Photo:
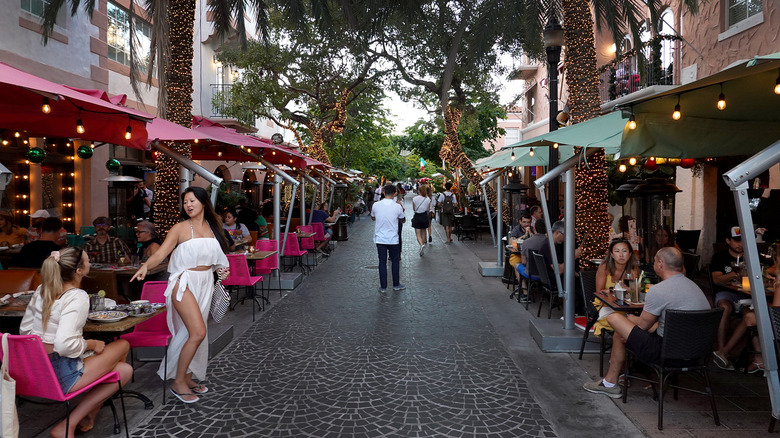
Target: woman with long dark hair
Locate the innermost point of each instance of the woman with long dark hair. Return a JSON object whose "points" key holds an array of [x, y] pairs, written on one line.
{"points": [[57, 313], [197, 246], [620, 261]]}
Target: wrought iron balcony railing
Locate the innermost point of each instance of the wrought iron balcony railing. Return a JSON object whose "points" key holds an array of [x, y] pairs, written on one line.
{"points": [[652, 64]]}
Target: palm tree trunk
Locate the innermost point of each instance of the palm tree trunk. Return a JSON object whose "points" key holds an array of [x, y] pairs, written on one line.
{"points": [[178, 109], [584, 103]]}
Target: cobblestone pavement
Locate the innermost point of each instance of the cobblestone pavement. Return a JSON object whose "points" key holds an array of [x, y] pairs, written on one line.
{"points": [[336, 358]]}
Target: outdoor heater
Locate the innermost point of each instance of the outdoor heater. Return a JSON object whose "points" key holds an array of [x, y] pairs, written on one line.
{"points": [[656, 209], [517, 199], [339, 201]]}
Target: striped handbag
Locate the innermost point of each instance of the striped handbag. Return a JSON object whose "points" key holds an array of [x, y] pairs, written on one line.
{"points": [[220, 300]]}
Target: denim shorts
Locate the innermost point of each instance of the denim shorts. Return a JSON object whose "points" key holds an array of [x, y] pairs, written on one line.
{"points": [[68, 370]]}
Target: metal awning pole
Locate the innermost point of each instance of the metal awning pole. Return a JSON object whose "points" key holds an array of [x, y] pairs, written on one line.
{"points": [[568, 254], [277, 214], [738, 178], [483, 183], [550, 240], [499, 225], [314, 194], [302, 205]]}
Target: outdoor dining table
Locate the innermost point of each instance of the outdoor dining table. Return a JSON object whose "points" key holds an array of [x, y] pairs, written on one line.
{"points": [[259, 255], [115, 279], [740, 289], [612, 302]]}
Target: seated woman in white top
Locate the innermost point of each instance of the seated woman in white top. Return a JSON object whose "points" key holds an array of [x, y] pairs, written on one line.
{"points": [[57, 313], [237, 231]]}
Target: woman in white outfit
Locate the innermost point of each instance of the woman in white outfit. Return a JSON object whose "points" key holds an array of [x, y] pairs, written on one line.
{"points": [[421, 220], [200, 247]]}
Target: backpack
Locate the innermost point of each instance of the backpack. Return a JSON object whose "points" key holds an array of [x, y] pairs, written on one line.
{"points": [[447, 207]]}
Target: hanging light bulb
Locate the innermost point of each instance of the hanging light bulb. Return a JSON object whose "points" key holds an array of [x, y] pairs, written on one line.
{"points": [[80, 127], [512, 157], [632, 161], [531, 153], [721, 99], [46, 108], [17, 134], [622, 168], [632, 122], [510, 174], [676, 114], [128, 133], [555, 145], [777, 83]]}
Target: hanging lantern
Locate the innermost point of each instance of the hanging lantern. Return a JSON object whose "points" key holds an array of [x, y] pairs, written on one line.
{"points": [[84, 152], [113, 165], [687, 163], [650, 164], [36, 155]]}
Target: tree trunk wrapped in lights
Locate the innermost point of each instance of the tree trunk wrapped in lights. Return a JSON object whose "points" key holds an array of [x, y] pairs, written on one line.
{"points": [[452, 153], [591, 221], [178, 109]]}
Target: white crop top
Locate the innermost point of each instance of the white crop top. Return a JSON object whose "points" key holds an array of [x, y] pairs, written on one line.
{"points": [[66, 321]]}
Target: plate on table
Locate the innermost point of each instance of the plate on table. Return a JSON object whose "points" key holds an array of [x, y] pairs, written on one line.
{"points": [[138, 315], [3, 248], [156, 306], [107, 316], [597, 261]]}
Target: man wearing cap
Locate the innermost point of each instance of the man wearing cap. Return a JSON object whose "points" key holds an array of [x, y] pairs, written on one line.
{"points": [[36, 221], [105, 248], [722, 269], [140, 202], [33, 254]]}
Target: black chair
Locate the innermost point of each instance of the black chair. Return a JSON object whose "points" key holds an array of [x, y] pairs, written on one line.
{"points": [[588, 283], [688, 240], [468, 226], [548, 286], [691, 263], [686, 348]]}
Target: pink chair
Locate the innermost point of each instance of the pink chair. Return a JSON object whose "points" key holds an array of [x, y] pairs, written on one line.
{"points": [[267, 266], [291, 249], [319, 232], [239, 276], [307, 243], [29, 365], [154, 331]]}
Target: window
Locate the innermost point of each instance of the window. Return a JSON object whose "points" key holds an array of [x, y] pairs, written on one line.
{"points": [[119, 38], [35, 7], [512, 136], [740, 10], [666, 27]]}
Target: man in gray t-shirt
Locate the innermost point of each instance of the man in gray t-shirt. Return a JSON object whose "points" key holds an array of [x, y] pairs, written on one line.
{"points": [[675, 292]]}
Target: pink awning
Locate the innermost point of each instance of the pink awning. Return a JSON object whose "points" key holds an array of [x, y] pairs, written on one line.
{"points": [[21, 101]]}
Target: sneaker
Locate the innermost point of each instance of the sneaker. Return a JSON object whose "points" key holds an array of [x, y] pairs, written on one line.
{"points": [[597, 387], [399, 287], [422, 250], [522, 299], [430, 239], [382, 290], [722, 362]]}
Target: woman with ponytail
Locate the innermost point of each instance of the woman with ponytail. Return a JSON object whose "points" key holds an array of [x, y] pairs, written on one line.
{"points": [[57, 313], [198, 246]]}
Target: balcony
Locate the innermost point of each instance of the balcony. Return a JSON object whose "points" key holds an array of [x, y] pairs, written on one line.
{"points": [[637, 70], [220, 100]]}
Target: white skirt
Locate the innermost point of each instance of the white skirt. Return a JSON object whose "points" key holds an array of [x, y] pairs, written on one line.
{"points": [[201, 284]]}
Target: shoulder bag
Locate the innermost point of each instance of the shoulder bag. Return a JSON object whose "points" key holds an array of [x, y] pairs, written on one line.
{"points": [[220, 300], [9, 422]]}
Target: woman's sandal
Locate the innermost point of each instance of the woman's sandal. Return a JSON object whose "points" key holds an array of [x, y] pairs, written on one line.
{"points": [[199, 388], [179, 396], [755, 367]]}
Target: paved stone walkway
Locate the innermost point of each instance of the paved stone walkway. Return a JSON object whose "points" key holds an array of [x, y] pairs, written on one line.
{"points": [[336, 358]]}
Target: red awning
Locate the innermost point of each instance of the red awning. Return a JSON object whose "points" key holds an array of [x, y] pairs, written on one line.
{"points": [[21, 101]]}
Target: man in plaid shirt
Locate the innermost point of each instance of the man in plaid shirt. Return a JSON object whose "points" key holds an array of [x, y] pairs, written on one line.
{"points": [[108, 248]]}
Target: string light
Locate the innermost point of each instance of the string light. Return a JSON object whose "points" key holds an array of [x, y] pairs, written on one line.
{"points": [[777, 83], [632, 161], [46, 108], [128, 133], [513, 155], [622, 168], [531, 153], [80, 127], [632, 122], [17, 134], [721, 99], [555, 145], [676, 114]]}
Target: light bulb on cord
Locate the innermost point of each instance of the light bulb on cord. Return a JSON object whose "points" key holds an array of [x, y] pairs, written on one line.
{"points": [[80, 127], [676, 114], [555, 145], [631, 122], [721, 99], [512, 157], [632, 161], [531, 153], [46, 108], [622, 168], [777, 83], [128, 133]]}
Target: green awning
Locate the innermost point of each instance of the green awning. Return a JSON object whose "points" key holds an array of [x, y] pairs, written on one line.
{"points": [[604, 131], [749, 123], [523, 158]]}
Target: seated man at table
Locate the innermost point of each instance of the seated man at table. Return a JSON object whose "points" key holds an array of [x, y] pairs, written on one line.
{"points": [[723, 271], [104, 248], [321, 215], [34, 253], [674, 292], [535, 243], [523, 230]]}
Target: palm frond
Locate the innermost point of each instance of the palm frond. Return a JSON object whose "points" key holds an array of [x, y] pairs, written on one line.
{"points": [[49, 18]]}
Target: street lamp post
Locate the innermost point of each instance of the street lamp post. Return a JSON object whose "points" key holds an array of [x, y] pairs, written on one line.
{"points": [[553, 40]]}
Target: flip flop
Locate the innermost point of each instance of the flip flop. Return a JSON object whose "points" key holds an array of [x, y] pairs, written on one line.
{"points": [[758, 367], [199, 389], [179, 396]]}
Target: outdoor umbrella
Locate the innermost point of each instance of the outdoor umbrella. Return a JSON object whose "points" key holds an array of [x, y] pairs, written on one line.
{"points": [[22, 100]]}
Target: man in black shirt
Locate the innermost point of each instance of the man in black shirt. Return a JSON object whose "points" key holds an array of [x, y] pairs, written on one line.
{"points": [[34, 253], [723, 270]]}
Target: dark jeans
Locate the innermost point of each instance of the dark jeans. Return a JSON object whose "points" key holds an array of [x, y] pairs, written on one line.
{"points": [[395, 258]]}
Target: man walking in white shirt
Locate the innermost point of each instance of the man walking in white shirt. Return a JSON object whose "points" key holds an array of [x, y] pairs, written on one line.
{"points": [[386, 214]]}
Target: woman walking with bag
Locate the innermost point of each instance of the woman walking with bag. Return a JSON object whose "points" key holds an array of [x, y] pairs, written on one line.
{"points": [[200, 246], [57, 313], [421, 219]]}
